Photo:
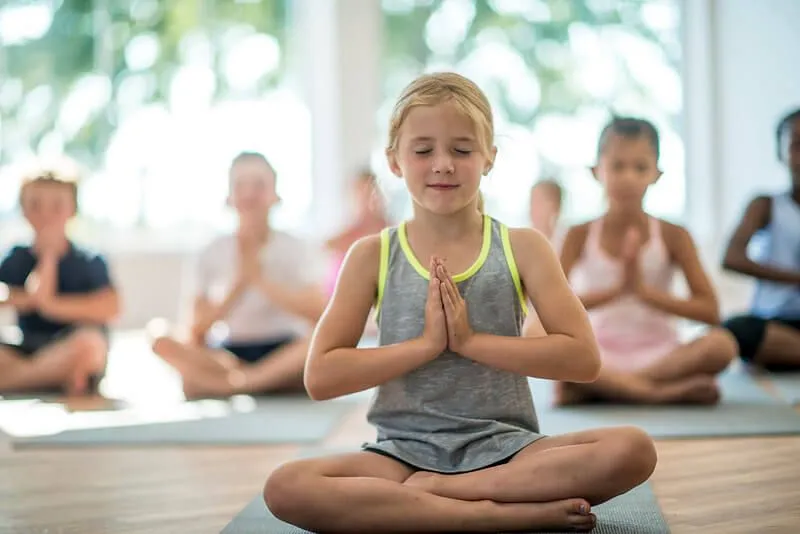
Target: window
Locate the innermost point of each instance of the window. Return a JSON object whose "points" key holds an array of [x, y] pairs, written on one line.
{"points": [[554, 70], [152, 99]]}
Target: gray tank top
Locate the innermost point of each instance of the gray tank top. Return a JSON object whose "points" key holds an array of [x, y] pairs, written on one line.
{"points": [[452, 415]]}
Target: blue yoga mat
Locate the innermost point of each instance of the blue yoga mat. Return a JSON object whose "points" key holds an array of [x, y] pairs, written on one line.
{"points": [[745, 409]]}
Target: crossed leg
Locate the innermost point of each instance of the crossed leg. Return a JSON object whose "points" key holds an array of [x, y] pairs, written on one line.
{"points": [[685, 375], [780, 348], [67, 363], [596, 465], [211, 372], [550, 485]]}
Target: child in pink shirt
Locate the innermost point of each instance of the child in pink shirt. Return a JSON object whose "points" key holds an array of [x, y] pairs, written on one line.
{"points": [[621, 265]]}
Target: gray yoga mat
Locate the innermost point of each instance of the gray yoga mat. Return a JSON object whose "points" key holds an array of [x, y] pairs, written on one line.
{"points": [[787, 385], [636, 512], [746, 409], [271, 421]]}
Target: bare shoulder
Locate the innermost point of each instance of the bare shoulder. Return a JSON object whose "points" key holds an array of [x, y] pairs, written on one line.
{"points": [[367, 246], [762, 202], [578, 232], [678, 241], [674, 234], [527, 243], [759, 211], [572, 244], [364, 256]]}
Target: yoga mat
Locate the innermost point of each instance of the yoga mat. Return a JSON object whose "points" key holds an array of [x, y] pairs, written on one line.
{"points": [[787, 385], [269, 421], [636, 512], [744, 410]]}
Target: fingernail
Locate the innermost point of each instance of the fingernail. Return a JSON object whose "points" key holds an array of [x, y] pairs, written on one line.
{"points": [[583, 508]]}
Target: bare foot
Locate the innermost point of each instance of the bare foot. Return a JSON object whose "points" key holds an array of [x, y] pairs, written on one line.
{"points": [[693, 390], [203, 386], [83, 365], [569, 515], [192, 390], [200, 389]]}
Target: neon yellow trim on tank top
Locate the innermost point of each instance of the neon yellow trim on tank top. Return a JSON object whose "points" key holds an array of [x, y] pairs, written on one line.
{"points": [[423, 272], [383, 268], [512, 266]]}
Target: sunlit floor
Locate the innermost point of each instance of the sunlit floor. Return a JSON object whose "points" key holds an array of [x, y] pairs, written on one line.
{"points": [[712, 486]]}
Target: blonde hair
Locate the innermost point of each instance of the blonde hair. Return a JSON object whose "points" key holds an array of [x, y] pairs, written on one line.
{"points": [[481, 203], [440, 87], [70, 183]]}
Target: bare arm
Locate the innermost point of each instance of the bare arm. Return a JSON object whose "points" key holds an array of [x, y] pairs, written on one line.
{"points": [[568, 351], [308, 302], [101, 306], [17, 298], [702, 305], [756, 216], [335, 367], [571, 252], [98, 306]]}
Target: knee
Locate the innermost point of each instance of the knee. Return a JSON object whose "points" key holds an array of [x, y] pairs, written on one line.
{"points": [[89, 343], [722, 347], [631, 454], [283, 492]]}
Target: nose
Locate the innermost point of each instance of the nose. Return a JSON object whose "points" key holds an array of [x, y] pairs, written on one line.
{"points": [[443, 163]]}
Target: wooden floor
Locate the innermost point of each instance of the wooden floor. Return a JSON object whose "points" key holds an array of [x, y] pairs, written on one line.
{"points": [[728, 486]]}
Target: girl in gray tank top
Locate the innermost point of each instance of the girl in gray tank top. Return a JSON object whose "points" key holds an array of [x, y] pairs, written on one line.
{"points": [[452, 406], [453, 414]]}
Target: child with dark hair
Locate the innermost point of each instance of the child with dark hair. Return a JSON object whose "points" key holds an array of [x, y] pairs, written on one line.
{"points": [[622, 265], [769, 335], [62, 294]]}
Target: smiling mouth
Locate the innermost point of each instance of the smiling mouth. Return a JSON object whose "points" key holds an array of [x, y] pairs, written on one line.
{"points": [[443, 187]]}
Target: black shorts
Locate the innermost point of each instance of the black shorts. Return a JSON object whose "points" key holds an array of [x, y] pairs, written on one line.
{"points": [[33, 342], [254, 351], [749, 332]]}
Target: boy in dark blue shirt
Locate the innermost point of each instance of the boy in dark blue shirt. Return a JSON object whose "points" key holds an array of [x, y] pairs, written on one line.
{"points": [[62, 295]]}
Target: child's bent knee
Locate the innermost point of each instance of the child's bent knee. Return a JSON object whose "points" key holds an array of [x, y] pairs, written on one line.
{"points": [[88, 340], [634, 453], [283, 492], [723, 346]]}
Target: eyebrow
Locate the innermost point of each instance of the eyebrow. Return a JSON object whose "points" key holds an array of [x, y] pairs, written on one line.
{"points": [[459, 139]]}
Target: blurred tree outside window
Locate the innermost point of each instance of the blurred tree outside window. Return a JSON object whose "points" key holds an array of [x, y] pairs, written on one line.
{"points": [[151, 99], [554, 71]]}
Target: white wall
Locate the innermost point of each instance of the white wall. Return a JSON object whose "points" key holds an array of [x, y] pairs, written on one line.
{"points": [[740, 76], [758, 50], [337, 50]]}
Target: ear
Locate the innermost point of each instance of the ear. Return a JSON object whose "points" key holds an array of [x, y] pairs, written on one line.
{"points": [[490, 164], [394, 166]]}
